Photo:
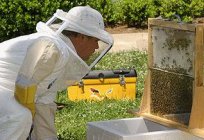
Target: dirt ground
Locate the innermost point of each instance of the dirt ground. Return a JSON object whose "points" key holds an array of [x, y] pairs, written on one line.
{"points": [[124, 29]]}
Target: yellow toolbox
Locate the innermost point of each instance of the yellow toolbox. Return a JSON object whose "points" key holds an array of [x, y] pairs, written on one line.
{"points": [[101, 84]]}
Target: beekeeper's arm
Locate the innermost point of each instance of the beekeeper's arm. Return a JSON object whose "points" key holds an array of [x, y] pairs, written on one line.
{"points": [[46, 62], [39, 62]]}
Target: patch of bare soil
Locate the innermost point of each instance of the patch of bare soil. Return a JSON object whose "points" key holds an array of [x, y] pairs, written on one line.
{"points": [[124, 29]]}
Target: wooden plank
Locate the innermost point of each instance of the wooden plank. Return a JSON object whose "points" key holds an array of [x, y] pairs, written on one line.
{"points": [[145, 102], [146, 98], [172, 124], [150, 65], [150, 47], [197, 132], [199, 52], [197, 112], [171, 24], [165, 122]]}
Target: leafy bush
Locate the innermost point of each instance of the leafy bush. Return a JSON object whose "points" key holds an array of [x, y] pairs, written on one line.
{"points": [[20, 17], [197, 8], [187, 10], [68, 4], [110, 10], [136, 12]]}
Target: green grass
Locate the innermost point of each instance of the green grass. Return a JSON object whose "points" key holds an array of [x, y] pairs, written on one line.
{"points": [[71, 122]]}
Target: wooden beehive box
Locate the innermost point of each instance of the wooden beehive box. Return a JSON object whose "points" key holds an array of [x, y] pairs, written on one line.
{"points": [[174, 89]]}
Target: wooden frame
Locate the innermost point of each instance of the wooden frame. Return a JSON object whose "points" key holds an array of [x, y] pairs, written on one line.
{"points": [[197, 113], [196, 120]]}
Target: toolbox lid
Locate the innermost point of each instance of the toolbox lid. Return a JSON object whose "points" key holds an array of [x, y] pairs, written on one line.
{"points": [[95, 74]]}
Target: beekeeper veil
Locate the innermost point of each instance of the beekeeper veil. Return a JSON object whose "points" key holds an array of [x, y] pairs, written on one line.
{"points": [[86, 21]]}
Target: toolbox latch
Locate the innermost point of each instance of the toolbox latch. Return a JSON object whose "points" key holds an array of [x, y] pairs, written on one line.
{"points": [[122, 80], [101, 77], [81, 85], [121, 74]]}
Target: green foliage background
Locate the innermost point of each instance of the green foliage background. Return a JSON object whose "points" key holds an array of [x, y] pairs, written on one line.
{"points": [[20, 17], [71, 122]]}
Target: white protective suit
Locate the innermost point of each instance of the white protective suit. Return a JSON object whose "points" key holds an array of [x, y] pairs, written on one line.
{"points": [[47, 59]]}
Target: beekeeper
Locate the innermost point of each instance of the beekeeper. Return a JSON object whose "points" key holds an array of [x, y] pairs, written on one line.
{"points": [[34, 67]]}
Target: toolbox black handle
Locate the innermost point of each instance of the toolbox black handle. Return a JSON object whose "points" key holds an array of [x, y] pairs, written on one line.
{"points": [[121, 72]]}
